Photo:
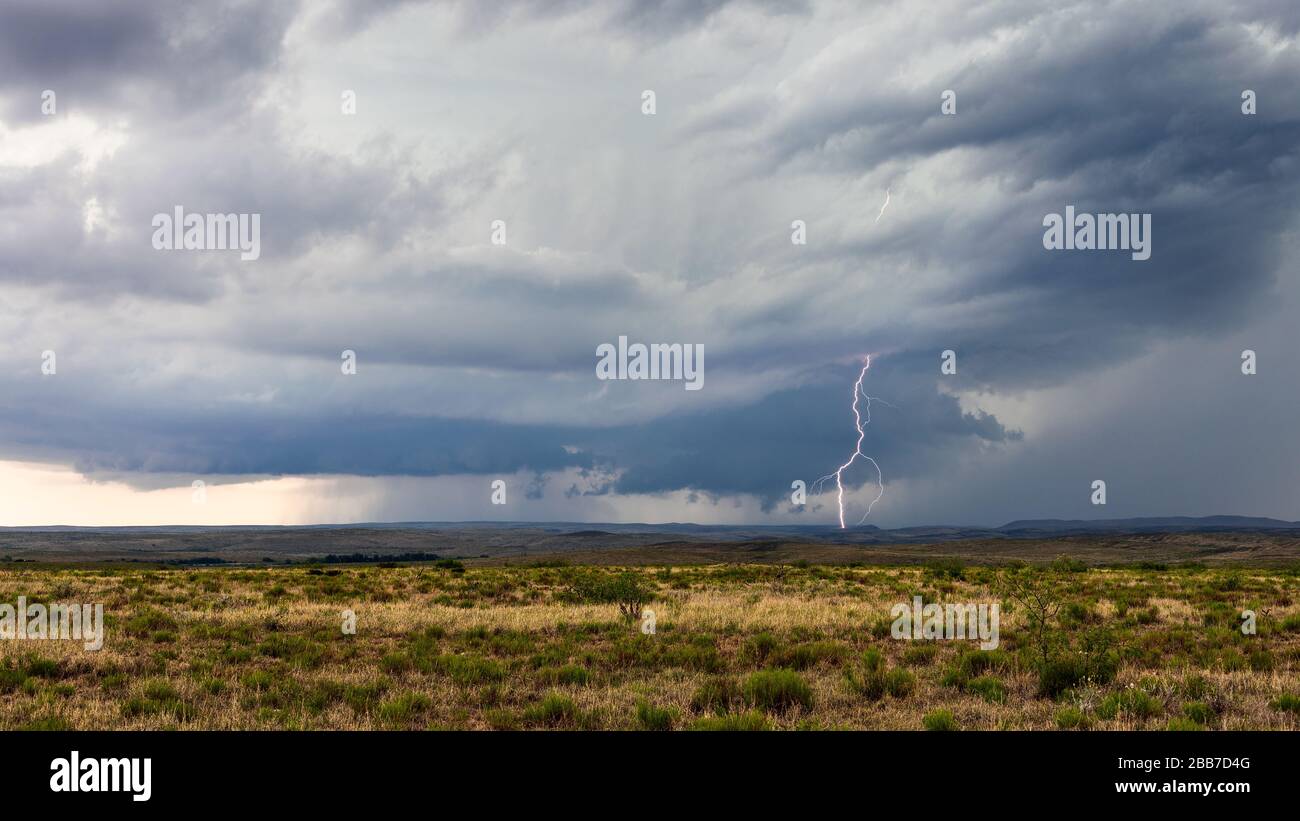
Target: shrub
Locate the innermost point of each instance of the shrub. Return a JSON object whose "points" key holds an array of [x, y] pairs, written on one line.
{"points": [[1068, 671], [627, 590], [1058, 675], [777, 690]]}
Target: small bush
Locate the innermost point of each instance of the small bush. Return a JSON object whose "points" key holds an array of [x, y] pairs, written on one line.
{"points": [[1069, 671], [627, 589]]}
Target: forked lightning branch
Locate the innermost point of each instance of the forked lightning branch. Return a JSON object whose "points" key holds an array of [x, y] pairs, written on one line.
{"points": [[860, 424]]}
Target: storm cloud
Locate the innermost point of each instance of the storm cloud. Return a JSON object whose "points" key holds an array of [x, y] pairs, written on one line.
{"points": [[477, 360]]}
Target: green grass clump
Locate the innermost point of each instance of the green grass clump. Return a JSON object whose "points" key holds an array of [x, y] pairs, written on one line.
{"points": [[973, 664], [939, 721], [555, 710], [404, 708], [717, 694], [992, 690], [11, 679], [1177, 724], [1073, 670], [1130, 701], [735, 722], [468, 670], [1072, 718], [920, 655], [158, 696], [148, 621], [777, 691], [568, 674], [47, 724], [651, 717], [758, 648], [1199, 712], [1287, 702], [874, 681]]}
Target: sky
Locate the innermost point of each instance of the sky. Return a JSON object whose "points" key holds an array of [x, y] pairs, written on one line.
{"points": [[473, 197]]}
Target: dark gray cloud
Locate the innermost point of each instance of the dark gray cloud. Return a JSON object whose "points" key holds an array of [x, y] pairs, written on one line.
{"points": [[135, 58]]}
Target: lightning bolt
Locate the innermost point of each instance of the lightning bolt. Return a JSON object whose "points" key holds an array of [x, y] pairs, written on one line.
{"points": [[860, 424], [883, 206]]}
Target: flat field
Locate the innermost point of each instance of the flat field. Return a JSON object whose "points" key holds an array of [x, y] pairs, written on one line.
{"points": [[735, 646]]}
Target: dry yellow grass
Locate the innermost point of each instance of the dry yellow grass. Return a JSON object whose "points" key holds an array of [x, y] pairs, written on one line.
{"points": [[485, 647]]}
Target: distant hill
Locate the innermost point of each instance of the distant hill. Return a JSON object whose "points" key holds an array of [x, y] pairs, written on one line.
{"points": [[1160, 524], [1136, 539]]}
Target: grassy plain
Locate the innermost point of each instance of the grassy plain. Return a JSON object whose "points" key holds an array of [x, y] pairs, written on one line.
{"points": [[735, 646]]}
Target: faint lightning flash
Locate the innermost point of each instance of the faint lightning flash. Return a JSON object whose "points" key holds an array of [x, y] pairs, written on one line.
{"points": [[857, 450], [884, 206]]}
